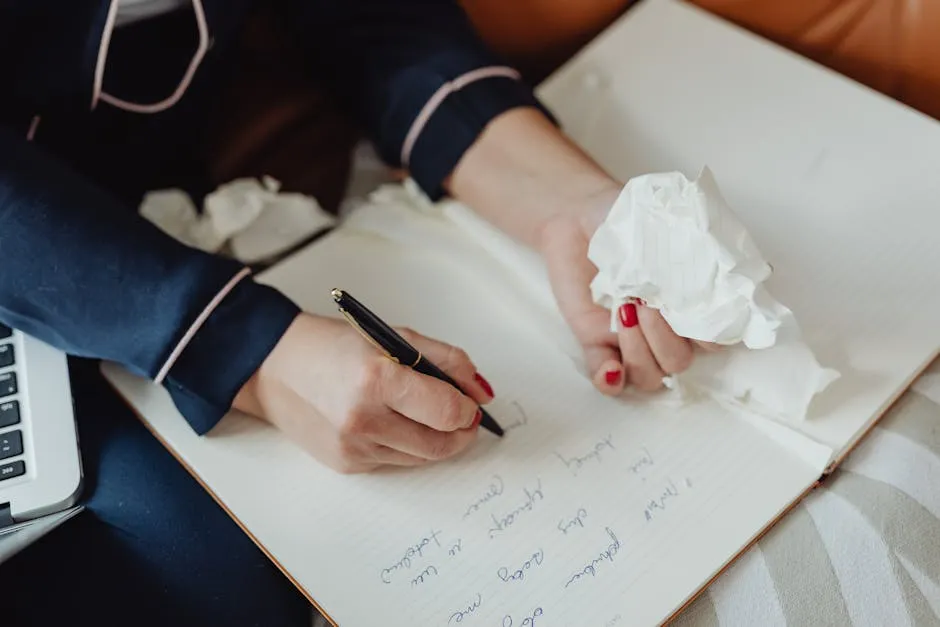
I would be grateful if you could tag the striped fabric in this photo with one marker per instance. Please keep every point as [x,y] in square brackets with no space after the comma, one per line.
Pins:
[862,550]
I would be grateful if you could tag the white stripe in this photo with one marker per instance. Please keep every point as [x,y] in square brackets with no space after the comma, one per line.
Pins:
[745,594]
[928,587]
[900,462]
[860,560]
[928,384]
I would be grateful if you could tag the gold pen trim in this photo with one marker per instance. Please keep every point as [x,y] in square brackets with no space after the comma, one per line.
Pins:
[368,338]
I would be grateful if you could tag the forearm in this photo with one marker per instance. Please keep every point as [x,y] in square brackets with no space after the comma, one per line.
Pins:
[522,172]
[94,279]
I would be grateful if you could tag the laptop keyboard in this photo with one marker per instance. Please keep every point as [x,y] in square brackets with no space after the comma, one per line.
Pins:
[12,463]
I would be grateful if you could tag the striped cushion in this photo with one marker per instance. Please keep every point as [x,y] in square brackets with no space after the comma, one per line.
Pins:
[862,550]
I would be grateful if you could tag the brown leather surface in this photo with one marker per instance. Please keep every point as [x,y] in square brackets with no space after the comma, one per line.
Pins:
[890,45]
[272,119]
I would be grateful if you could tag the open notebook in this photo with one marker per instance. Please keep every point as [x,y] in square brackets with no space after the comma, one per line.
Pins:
[595,511]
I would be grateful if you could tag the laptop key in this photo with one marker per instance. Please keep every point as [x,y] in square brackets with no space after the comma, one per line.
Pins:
[9,413]
[13,469]
[11,444]
[7,384]
[6,355]
[5,331]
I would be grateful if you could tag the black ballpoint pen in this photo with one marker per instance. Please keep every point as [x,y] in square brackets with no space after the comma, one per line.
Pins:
[395,347]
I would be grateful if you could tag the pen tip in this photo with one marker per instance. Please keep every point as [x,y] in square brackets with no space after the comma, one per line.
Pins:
[337,293]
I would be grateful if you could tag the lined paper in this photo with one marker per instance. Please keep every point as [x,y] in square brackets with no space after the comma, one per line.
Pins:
[590,508]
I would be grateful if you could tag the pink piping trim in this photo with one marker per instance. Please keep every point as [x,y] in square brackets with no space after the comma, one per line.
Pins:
[197,324]
[97,94]
[445,90]
[32,128]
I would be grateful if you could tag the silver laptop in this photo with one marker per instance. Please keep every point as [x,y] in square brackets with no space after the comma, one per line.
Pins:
[40,465]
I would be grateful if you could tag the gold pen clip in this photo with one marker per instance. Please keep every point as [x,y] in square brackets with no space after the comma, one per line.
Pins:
[368,337]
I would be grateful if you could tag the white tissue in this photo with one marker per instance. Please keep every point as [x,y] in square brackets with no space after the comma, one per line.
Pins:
[676,244]
[252,216]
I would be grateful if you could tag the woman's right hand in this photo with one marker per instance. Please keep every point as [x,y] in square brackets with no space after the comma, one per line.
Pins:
[355,410]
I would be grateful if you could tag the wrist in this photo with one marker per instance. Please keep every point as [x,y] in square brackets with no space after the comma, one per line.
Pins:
[302,339]
[578,215]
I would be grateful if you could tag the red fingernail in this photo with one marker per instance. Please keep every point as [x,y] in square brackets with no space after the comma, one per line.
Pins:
[484,384]
[612,377]
[477,419]
[628,315]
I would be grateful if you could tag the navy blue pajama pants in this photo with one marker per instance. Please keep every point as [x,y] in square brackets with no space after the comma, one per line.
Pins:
[151,547]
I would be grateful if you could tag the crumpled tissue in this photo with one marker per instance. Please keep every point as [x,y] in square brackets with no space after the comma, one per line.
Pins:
[252,217]
[676,245]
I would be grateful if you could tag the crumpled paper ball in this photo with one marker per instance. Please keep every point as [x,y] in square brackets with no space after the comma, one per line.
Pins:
[675,244]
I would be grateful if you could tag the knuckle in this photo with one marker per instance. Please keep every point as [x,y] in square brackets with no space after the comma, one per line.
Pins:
[408,333]
[440,448]
[372,373]
[356,424]
[678,361]
[458,357]
[648,381]
[451,416]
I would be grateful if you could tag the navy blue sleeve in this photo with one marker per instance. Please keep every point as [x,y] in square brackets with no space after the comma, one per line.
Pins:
[390,58]
[94,279]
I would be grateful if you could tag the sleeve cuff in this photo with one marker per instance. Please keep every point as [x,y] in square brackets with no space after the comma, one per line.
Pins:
[226,349]
[456,122]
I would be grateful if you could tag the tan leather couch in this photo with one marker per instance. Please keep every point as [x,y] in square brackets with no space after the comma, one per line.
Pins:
[890,45]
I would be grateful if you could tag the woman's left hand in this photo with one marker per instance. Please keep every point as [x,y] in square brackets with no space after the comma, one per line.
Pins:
[535,184]
[645,348]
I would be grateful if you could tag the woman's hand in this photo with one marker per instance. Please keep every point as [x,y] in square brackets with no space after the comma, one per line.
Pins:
[527,178]
[645,348]
[355,410]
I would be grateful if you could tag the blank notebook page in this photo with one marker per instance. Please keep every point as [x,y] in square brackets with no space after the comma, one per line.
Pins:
[588,509]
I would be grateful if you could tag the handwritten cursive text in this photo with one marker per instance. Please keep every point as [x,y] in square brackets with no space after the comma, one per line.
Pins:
[643,462]
[430,571]
[661,501]
[459,615]
[578,521]
[504,522]
[574,464]
[519,574]
[495,489]
[528,621]
[413,552]
[607,555]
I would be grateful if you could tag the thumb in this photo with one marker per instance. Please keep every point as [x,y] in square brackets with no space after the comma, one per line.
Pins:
[455,362]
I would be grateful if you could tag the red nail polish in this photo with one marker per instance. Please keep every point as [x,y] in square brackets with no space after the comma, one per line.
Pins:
[612,377]
[628,315]
[484,384]
[477,419]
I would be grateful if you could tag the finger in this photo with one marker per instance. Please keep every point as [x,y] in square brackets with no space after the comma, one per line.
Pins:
[604,361]
[455,362]
[709,347]
[571,278]
[641,366]
[388,456]
[672,353]
[399,433]
[427,400]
